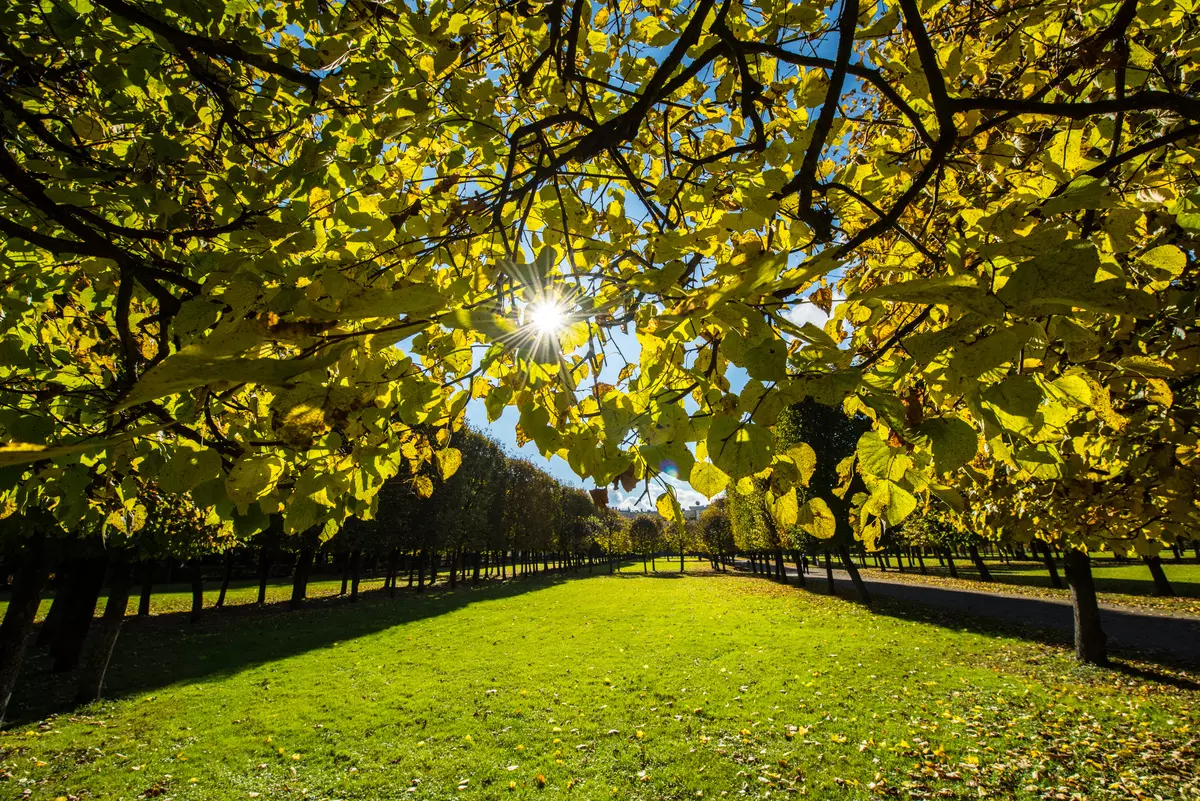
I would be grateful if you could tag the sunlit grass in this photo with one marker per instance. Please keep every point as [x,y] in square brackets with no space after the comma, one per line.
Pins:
[604,687]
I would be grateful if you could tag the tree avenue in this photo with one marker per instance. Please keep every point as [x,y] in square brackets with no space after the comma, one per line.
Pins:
[263,254]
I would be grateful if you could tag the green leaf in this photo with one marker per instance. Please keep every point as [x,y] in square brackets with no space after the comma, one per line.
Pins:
[954,442]
[449,460]
[737,448]
[785,509]
[188,467]
[668,506]
[253,477]
[194,366]
[707,479]
[957,291]
[414,299]
[816,519]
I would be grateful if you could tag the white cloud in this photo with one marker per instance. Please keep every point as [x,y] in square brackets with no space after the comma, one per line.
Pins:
[635,501]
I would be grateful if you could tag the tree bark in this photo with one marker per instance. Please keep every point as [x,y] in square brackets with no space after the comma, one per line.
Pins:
[1161,585]
[264,572]
[197,578]
[345,573]
[1048,561]
[1090,641]
[859,585]
[980,565]
[829,574]
[392,564]
[28,583]
[91,679]
[950,564]
[796,556]
[355,574]
[421,572]
[304,561]
[68,582]
[225,579]
[147,587]
[780,568]
[68,641]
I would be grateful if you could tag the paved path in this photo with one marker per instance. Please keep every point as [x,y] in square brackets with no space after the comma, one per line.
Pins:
[1175,636]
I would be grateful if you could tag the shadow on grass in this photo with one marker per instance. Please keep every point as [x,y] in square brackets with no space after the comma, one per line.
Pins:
[165,649]
[1162,640]
[1033,574]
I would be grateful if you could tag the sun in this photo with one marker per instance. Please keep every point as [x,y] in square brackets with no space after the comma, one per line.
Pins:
[547,316]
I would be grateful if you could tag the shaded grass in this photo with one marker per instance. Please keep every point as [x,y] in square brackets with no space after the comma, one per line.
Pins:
[604,687]
[1117,584]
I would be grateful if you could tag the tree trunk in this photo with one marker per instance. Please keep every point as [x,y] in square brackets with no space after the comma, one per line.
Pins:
[921,560]
[264,572]
[225,579]
[304,562]
[829,574]
[1048,561]
[421,572]
[91,679]
[980,565]
[799,567]
[477,564]
[950,564]
[859,585]
[1090,640]
[147,588]
[68,583]
[355,574]
[453,569]
[345,573]
[197,578]
[28,583]
[392,564]
[1161,585]
[77,619]
[780,569]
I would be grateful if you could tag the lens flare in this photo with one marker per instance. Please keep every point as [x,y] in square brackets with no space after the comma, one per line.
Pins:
[547,316]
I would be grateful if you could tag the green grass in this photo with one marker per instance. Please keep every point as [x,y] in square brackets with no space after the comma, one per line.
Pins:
[606,687]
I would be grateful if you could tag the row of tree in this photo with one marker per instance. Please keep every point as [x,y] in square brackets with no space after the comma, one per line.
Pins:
[493,516]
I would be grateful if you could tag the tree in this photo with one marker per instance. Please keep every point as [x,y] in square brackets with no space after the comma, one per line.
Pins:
[273,266]
[716,533]
[645,536]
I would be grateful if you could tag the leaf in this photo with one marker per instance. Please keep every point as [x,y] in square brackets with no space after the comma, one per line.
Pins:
[1068,277]
[816,519]
[416,298]
[17,453]
[449,460]
[706,478]
[805,459]
[954,442]
[785,509]
[957,291]
[188,467]
[668,506]
[194,366]
[253,477]
[737,448]
[877,458]
[492,326]
[768,361]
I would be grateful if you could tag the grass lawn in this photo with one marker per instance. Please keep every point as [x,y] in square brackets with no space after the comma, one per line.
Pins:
[597,688]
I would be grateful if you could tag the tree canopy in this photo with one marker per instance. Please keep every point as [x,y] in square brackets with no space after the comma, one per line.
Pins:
[264,253]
